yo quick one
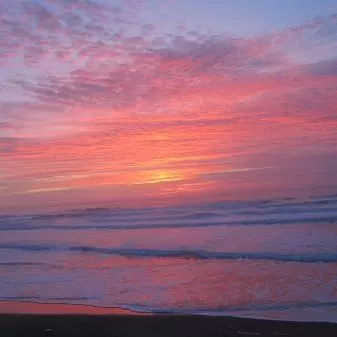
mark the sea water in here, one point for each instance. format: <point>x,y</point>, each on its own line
<point>263,258</point>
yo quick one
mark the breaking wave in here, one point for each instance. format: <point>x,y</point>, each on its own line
<point>182,254</point>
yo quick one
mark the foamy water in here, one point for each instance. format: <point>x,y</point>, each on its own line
<point>274,259</point>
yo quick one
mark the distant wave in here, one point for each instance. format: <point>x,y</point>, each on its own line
<point>153,225</point>
<point>183,254</point>
<point>204,211</point>
<point>287,211</point>
<point>284,202</point>
<point>192,211</point>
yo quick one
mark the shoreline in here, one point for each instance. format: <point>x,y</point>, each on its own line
<point>38,308</point>
<point>81,320</point>
<point>24,307</point>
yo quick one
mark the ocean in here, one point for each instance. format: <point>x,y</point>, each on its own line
<point>265,258</point>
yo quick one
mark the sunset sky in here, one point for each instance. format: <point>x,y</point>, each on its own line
<point>136,102</point>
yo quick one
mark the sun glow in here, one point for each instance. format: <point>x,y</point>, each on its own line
<point>161,177</point>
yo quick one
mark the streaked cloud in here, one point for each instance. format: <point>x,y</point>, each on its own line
<point>95,96</point>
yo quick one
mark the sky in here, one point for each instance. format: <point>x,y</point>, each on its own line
<point>132,103</point>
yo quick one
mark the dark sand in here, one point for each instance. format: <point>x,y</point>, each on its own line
<point>154,326</point>
<point>101,325</point>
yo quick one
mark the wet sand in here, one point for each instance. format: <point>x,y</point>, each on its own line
<point>88,322</point>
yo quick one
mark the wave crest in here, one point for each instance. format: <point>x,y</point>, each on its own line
<point>183,254</point>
